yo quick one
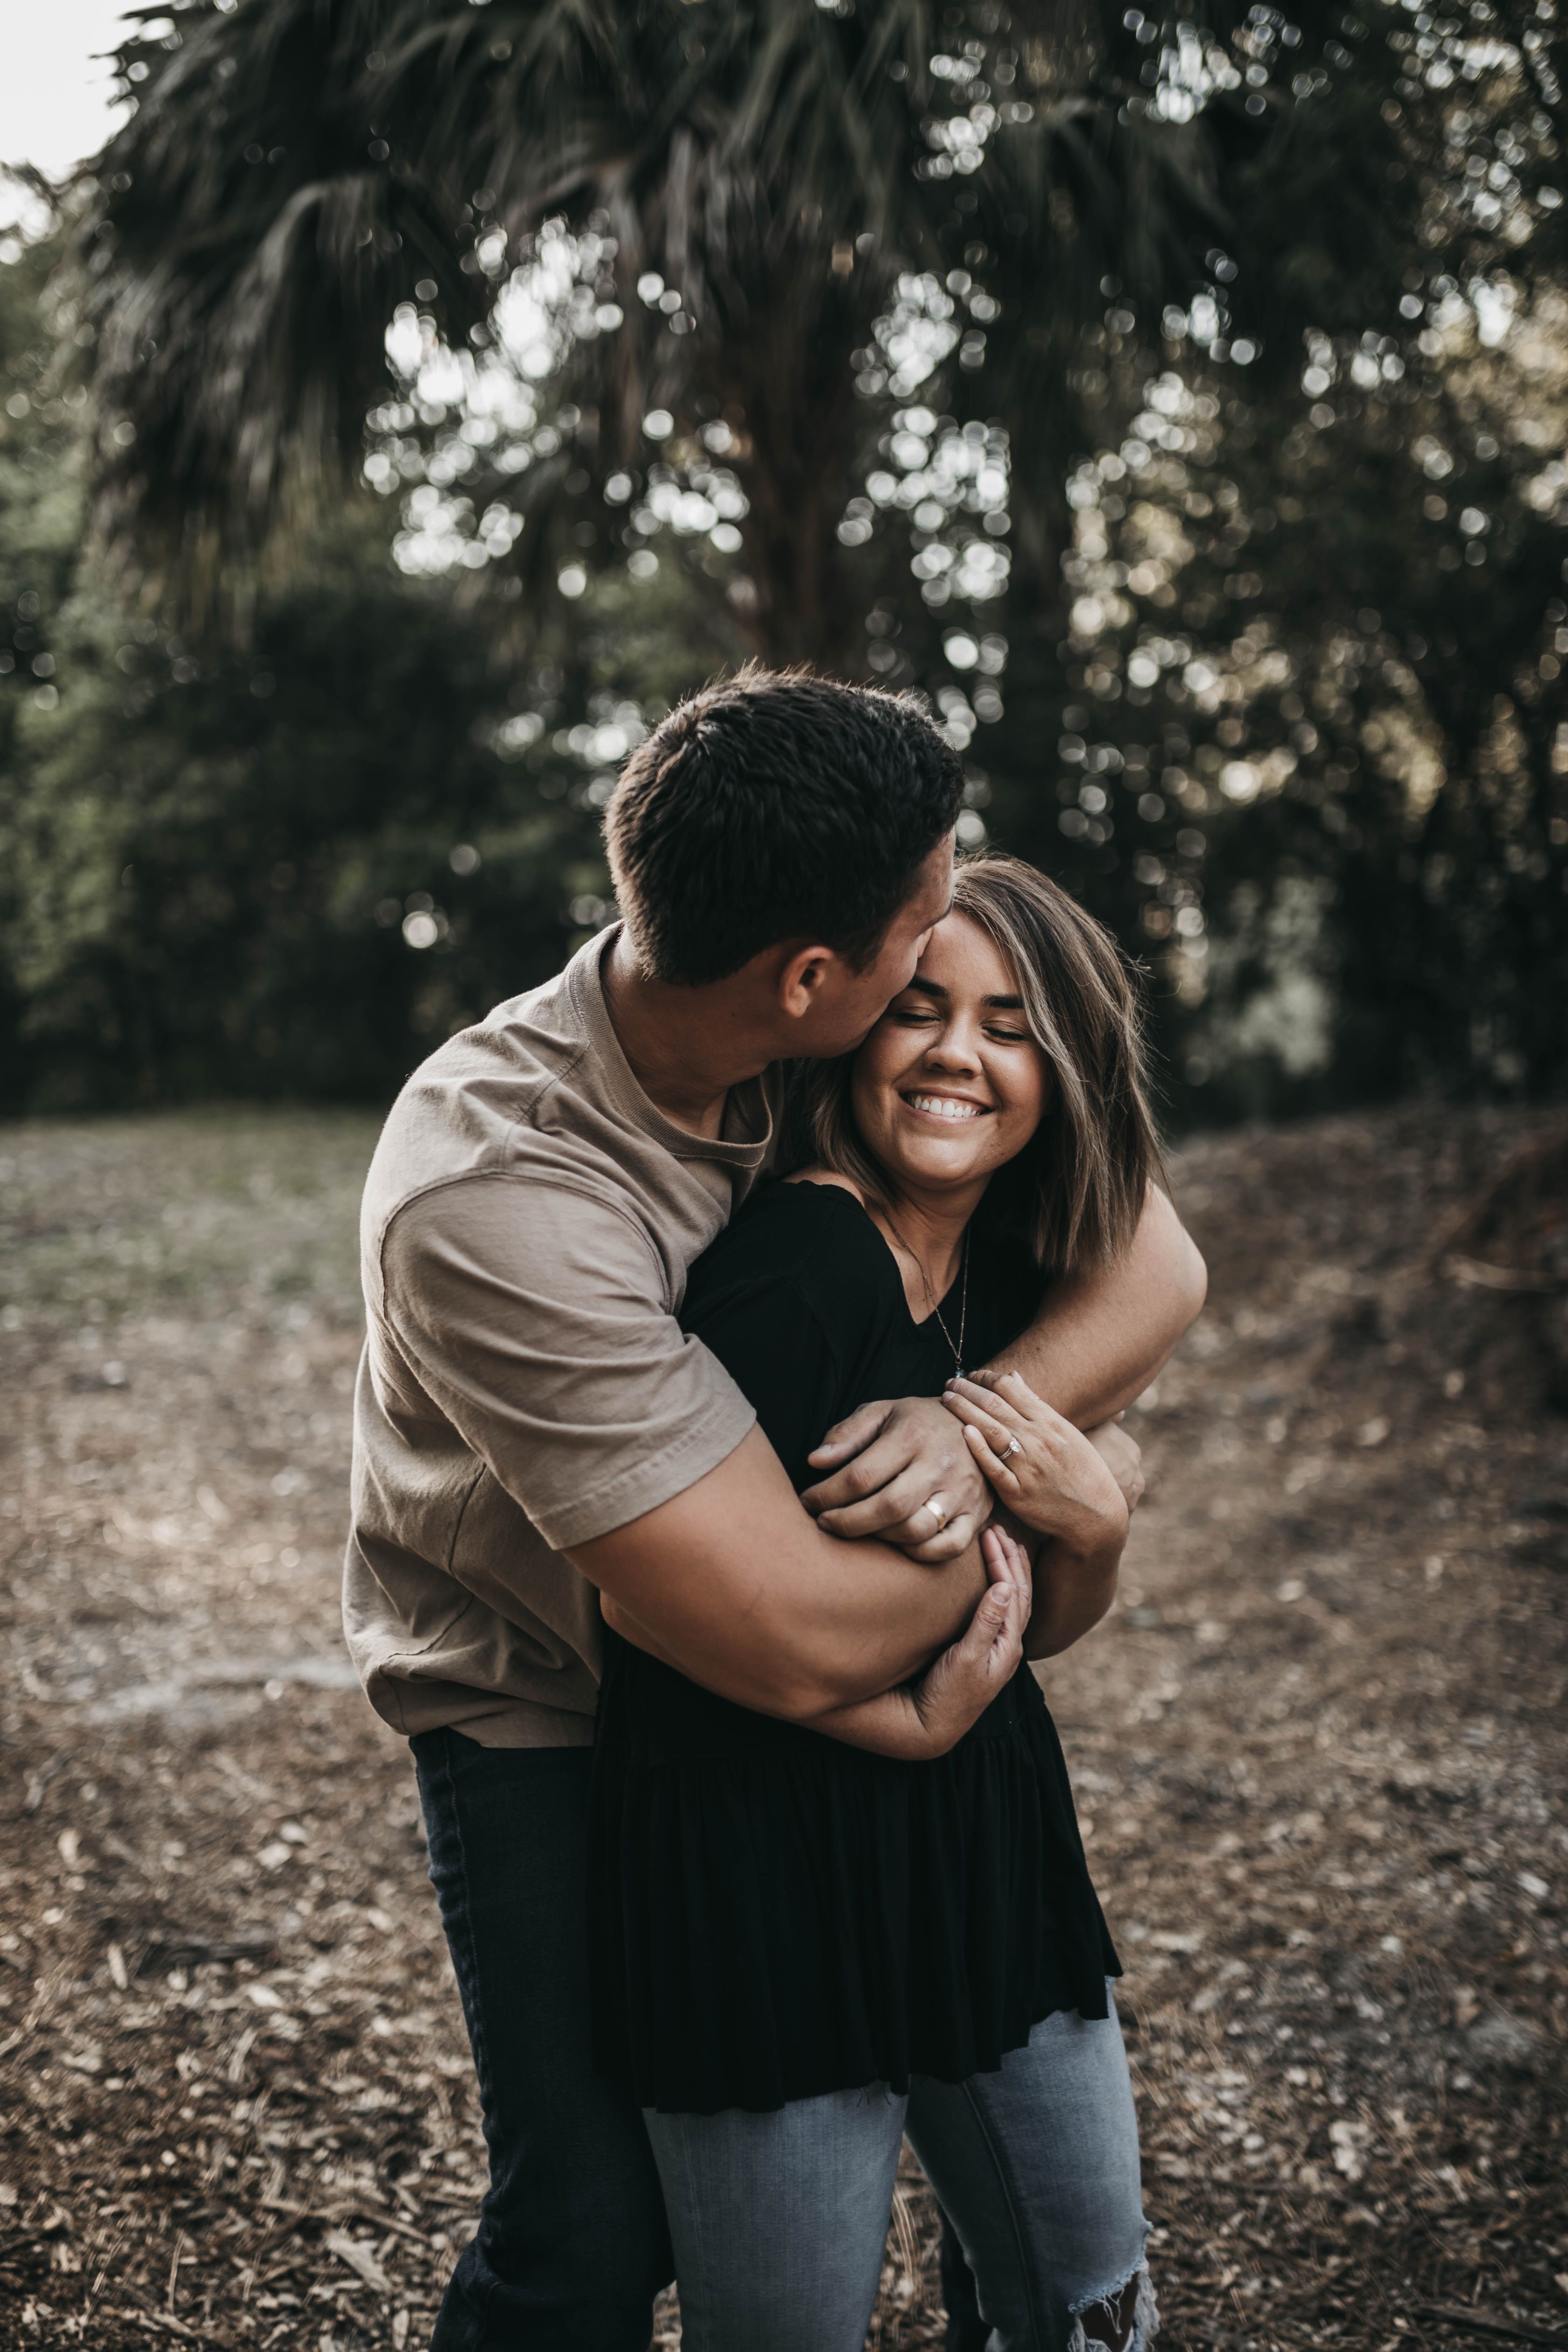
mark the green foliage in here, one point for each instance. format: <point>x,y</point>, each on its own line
<point>1309,712</point>
<point>1174,402</point>
<point>286,870</point>
<point>295,169</point>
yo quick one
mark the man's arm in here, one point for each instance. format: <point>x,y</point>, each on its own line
<point>917,1720</point>
<point>743,1591</point>
<point>532,1316</point>
<point>1103,1335</point>
<point>1097,1342</point>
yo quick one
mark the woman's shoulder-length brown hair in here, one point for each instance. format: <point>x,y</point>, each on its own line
<point>1076,1191</point>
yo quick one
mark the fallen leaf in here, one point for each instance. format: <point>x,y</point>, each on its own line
<point>359,2258</point>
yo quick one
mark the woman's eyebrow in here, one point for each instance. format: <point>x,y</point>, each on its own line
<point>935,988</point>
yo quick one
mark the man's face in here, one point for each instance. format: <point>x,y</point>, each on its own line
<point>857,1000</point>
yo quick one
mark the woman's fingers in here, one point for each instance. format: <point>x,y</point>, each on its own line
<point>976,1416</point>
<point>994,1627</point>
<point>1002,1475</point>
<point>1013,1562</point>
<point>1012,1391</point>
<point>994,1559</point>
<point>988,1414</point>
<point>993,1643</point>
<point>999,1552</point>
<point>1017,1558</point>
<point>987,1625</point>
<point>1010,1640</point>
<point>1009,1400</point>
<point>979,1399</point>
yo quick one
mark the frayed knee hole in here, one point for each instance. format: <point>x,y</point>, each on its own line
<point>1127,2321</point>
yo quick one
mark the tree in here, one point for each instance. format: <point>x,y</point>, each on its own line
<point>288,868</point>
<point>1311,673</point>
<point>840,338</point>
<point>780,169</point>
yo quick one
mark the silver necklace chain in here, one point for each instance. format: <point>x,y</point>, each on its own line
<point>931,1295</point>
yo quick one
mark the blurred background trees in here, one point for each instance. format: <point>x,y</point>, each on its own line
<point>414,399</point>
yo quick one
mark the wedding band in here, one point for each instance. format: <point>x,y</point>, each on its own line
<point>938,1514</point>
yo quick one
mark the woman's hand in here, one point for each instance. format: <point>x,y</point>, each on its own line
<point>1048,1474</point>
<point>955,1689</point>
<point>924,1719</point>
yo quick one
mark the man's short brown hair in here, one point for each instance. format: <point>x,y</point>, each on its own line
<point>775,805</point>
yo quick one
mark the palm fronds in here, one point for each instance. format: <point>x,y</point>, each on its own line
<point>296,168</point>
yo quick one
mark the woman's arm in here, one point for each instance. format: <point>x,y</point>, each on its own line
<point>1073,1490</point>
<point>1097,1342</point>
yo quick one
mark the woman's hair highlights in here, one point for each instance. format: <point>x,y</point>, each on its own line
<point>1075,1193</point>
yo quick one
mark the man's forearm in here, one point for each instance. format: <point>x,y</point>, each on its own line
<point>1103,1334</point>
<point>888,1723</point>
<point>741,1590</point>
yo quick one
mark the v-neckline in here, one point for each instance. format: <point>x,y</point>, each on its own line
<point>916,1322</point>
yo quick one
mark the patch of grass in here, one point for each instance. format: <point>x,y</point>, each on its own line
<point>121,1216</point>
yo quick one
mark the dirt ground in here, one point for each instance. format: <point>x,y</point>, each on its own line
<point>1319,1752</point>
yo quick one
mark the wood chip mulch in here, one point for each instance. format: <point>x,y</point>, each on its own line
<point>1319,1749</point>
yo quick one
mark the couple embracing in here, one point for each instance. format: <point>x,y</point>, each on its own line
<point>749,1310</point>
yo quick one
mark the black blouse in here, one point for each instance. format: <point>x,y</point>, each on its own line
<point>774,1914</point>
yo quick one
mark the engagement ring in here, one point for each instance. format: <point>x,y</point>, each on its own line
<point>1011,1448</point>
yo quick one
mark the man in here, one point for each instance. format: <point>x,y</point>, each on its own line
<point>533,1429</point>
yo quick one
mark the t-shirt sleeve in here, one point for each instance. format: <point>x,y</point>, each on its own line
<point>533,1316</point>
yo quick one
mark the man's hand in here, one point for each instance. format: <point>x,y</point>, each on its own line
<point>1097,1342</point>
<point>891,1464</point>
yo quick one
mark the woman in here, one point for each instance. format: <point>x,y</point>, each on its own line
<point>810,1938</point>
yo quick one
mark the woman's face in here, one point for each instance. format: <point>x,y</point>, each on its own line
<point>950,1084</point>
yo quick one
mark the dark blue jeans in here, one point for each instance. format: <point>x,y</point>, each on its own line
<point>572,2246</point>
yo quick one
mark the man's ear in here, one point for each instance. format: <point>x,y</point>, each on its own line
<point>802,979</point>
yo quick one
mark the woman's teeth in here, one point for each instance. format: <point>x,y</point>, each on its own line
<point>945,1106</point>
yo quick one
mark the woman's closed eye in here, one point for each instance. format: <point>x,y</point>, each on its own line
<point>918,1016</point>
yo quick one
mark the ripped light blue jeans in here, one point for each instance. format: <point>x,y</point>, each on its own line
<point>778,2221</point>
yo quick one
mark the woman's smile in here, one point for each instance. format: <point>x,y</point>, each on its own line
<point>948,1108</point>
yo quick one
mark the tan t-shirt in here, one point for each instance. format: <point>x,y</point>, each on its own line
<point>528,1223</point>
